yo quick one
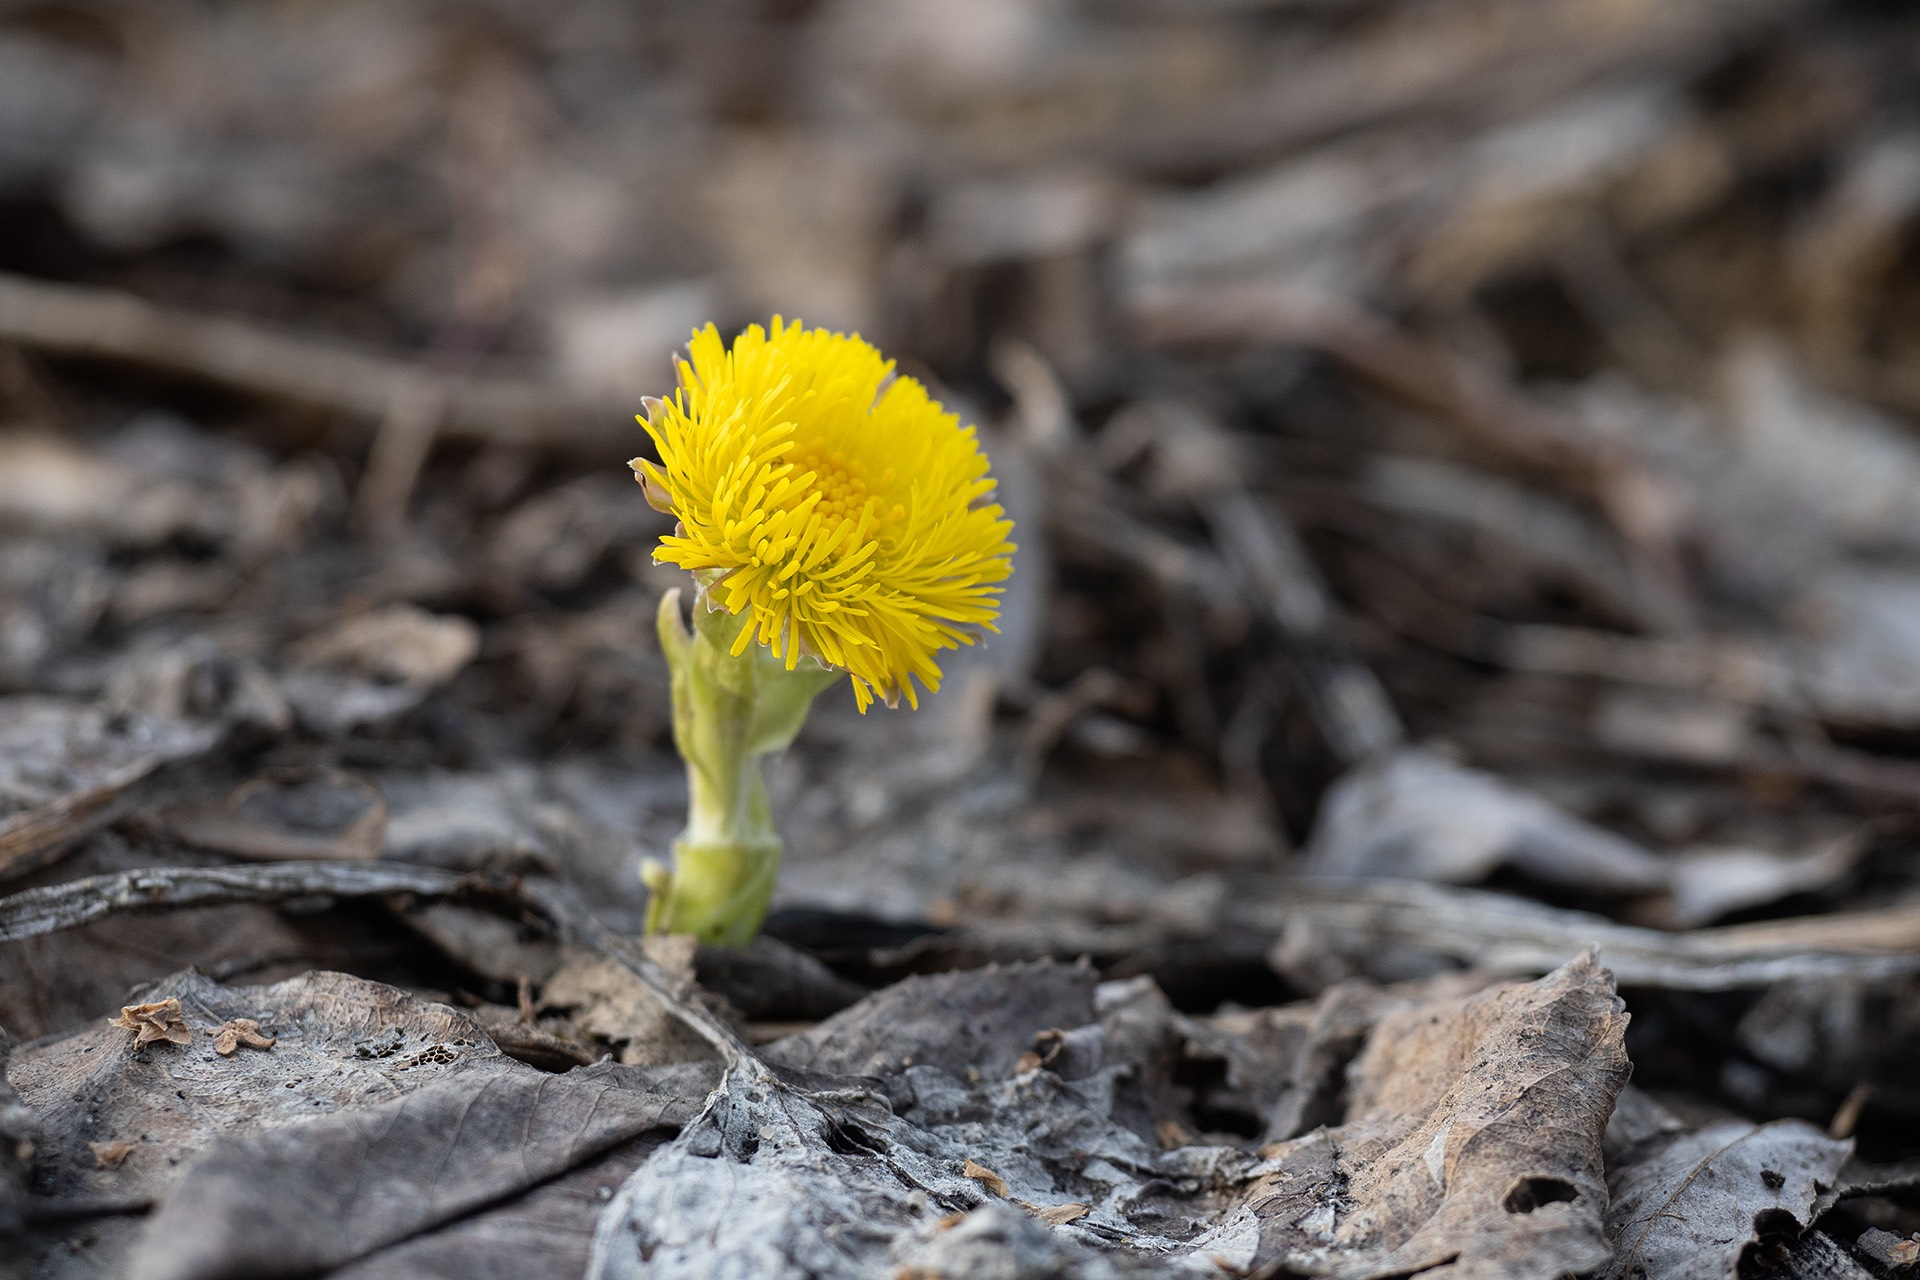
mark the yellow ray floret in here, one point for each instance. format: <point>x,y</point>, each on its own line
<point>846,512</point>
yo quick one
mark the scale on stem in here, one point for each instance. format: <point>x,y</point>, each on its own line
<point>836,519</point>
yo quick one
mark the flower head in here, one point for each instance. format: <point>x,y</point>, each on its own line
<point>836,504</point>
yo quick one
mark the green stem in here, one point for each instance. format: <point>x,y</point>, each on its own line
<point>727,712</point>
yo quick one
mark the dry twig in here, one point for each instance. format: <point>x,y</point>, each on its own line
<point>107,324</point>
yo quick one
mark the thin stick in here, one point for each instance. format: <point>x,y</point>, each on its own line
<point>111,325</point>
<point>1381,354</point>
<point>1476,928</point>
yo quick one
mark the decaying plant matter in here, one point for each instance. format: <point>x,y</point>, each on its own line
<point>1463,644</point>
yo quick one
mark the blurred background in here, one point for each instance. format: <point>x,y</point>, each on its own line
<point>1469,441</point>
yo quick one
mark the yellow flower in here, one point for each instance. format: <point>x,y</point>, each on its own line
<point>836,504</point>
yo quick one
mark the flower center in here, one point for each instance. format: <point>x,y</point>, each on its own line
<point>841,483</point>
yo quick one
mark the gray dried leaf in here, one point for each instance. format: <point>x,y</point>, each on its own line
<point>65,767</point>
<point>340,1042</point>
<point>545,1231</point>
<point>310,1196</point>
<point>373,667</point>
<point>982,1020</point>
<point>400,642</point>
<point>1711,882</point>
<point>1687,1206</point>
<point>998,1242</point>
<point>1286,1067</point>
<point>365,1089</point>
<point>778,1182</point>
<point>486,942</point>
<point>773,1182</point>
<point>769,978</point>
<point>1857,654</point>
<point>1473,1147</point>
<point>1416,816</point>
<point>59,982</point>
<point>307,814</point>
<point>1858,468</point>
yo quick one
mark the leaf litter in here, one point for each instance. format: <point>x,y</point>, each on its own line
<point>1463,465</point>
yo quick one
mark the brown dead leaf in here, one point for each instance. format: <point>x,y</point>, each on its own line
<point>110,1155</point>
<point>1472,1136</point>
<point>400,642</point>
<point>1059,1215</point>
<point>986,1177</point>
<point>238,1033</point>
<point>160,1020</point>
<point>1173,1135</point>
<point>606,1002</point>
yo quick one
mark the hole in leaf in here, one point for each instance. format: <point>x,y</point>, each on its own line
<point>851,1140</point>
<point>1529,1194</point>
<point>1771,1252</point>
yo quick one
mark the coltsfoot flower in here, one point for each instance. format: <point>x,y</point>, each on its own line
<point>833,502</point>
<point>836,519</point>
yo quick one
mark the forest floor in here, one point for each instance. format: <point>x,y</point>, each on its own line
<point>1443,797</point>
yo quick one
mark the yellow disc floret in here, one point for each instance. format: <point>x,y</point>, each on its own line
<point>837,504</point>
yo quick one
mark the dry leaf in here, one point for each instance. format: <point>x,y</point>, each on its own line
<point>110,1155</point>
<point>238,1033</point>
<point>66,767</point>
<point>1059,1215</point>
<point>607,1002</point>
<point>1688,1205</point>
<point>320,1119</point>
<point>159,1020</point>
<point>982,1019</point>
<point>1889,1250</point>
<point>400,642</point>
<point>1472,1137</point>
<point>986,1177</point>
<point>1415,815</point>
<point>288,815</point>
